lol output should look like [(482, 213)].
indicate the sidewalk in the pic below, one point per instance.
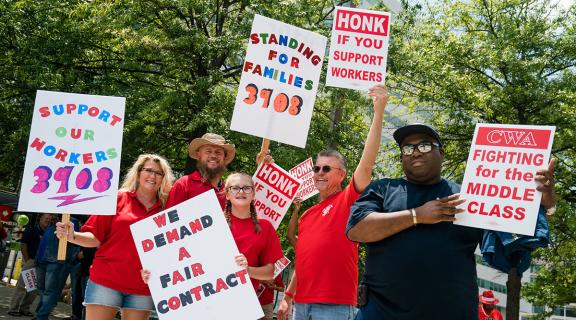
[(62, 310)]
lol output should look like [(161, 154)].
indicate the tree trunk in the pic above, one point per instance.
[(513, 286)]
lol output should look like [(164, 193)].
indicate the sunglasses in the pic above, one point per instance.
[(324, 169), (153, 172), (423, 147)]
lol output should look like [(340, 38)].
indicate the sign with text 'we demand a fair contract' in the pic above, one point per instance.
[(275, 190), (73, 158), (499, 185), (279, 82), (358, 48), (189, 251)]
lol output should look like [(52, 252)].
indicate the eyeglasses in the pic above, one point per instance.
[(325, 169), (153, 172), (244, 189), (423, 147)]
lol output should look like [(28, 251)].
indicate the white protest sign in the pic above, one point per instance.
[(280, 265), (279, 82), (73, 159), (29, 277), (189, 251), (304, 172), (275, 189), (499, 185), (358, 48)]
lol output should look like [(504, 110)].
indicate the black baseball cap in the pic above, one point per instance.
[(401, 133)]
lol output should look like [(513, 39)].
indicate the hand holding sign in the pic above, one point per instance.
[(380, 96), (439, 210), (546, 178)]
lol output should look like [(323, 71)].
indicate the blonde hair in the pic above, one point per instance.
[(130, 182), (228, 208)]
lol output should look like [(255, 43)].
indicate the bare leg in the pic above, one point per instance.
[(131, 314), (98, 312)]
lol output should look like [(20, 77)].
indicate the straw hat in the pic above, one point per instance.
[(215, 140)]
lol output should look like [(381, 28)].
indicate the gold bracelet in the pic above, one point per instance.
[(414, 218)]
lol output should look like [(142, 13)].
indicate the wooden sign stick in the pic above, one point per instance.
[(63, 242)]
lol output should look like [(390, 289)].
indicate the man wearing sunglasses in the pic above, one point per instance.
[(419, 265), (325, 280)]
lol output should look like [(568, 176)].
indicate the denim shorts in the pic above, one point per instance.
[(104, 296), (318, 311)]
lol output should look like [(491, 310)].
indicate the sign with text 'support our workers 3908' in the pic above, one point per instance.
[(279, 82), (73, 154)]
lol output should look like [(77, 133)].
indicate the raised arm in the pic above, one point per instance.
[(363, 173)]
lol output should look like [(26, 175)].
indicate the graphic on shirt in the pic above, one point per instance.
[(326, 210)]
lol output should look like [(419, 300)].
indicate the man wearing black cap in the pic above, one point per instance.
[(419, 265)]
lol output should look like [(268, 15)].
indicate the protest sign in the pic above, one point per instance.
[(499, 185), (73, 158), (279, 82), (275, 189), (303, 172), (29, 277), (358, 48), (189, 251), (280, 265)]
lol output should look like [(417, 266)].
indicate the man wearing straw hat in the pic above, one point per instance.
[(213, 154), (487, 309)]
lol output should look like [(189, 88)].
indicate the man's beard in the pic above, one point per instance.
[(210, 173)]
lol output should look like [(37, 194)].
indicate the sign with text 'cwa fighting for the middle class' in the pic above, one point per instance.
[(499, 187), (279, 82)]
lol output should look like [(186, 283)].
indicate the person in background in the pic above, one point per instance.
[(487, 307), (266, 296), (115, 282), (21, 299)]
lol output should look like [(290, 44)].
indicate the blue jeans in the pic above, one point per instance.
[(318, 311), (49, 280)]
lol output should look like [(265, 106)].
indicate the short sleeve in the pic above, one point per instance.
[(272, 250), (177, 194), (370, 201)]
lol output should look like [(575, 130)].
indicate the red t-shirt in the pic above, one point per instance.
[(493, 315), (326, 261), (189, 186), (267, 295), (259, 248), (116, 263)]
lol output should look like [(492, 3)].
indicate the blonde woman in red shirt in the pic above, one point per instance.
[(115, 282)]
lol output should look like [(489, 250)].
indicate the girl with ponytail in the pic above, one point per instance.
[(256, 239)]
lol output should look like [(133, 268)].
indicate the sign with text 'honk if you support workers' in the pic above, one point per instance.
[(358, 48), (499, 185)]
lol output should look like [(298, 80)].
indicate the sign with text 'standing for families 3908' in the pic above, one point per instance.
[(275, 190), (279, 82), (189, 251), (73, 157), (358, 48), (499, 185)]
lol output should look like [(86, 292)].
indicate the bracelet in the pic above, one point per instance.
[(414, 217), (288, 294)]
